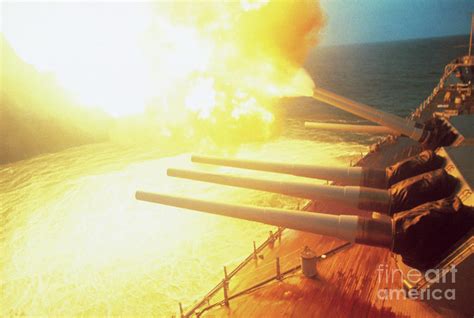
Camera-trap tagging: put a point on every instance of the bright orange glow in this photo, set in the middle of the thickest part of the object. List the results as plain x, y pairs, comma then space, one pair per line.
92, 50
173, 58
75, 242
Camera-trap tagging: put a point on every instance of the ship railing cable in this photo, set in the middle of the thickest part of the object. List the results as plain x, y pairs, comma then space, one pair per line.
248, 277
269, 267
257, 250
254, 256
278, 275
448, 70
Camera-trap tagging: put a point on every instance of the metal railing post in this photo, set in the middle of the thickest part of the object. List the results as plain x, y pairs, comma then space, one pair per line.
278, 271
225, 287
255, 256
271, 238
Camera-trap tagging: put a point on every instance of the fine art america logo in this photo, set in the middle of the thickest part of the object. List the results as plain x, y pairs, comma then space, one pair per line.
437, 281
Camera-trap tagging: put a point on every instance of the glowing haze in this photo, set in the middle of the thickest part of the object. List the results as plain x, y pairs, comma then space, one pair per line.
75, 241
208, 60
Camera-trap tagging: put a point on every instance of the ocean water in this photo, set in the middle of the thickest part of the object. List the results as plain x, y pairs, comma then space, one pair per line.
75, 242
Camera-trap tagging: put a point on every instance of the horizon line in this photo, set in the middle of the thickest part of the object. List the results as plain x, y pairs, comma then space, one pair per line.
390, 41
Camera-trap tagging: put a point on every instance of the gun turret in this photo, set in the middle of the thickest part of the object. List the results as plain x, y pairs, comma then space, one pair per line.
345, 175
349, 176
401, 234
435, 133
365, 129
358, 197
352, 228
405, 195
408, 128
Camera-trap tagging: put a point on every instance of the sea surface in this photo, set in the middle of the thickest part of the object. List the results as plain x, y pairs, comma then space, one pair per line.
75, 242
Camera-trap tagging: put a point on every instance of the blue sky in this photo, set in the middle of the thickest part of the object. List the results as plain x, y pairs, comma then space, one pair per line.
361, 21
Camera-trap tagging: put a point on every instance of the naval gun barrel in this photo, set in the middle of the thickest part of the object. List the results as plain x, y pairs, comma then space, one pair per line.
366, 129
359, 197
374, 232
405, 127
345, 175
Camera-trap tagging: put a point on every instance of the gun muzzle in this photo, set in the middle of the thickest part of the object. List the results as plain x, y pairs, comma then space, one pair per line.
347, 227
365, 129
405, 127
359, 197
348, 176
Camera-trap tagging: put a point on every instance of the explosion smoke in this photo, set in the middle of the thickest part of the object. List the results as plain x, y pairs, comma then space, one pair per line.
198, 65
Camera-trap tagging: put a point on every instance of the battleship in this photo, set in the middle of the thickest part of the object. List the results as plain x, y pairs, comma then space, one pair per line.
392, 235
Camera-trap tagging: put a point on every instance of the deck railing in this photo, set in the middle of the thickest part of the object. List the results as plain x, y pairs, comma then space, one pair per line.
448, 70
253, 256
279, 275
204, 304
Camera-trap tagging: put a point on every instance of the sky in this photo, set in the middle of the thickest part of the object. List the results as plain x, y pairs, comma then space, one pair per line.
364, 21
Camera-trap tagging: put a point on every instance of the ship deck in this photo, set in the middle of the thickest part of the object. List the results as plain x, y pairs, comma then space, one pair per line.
348, 283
